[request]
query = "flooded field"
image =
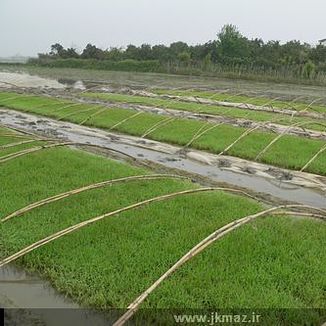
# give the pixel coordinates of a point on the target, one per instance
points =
(25, 80)
(148, 80)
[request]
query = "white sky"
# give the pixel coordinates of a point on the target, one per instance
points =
(31, 26)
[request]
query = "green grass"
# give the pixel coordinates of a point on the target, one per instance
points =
(279, 104)
(272, 263)
(289, 152)
(208, 109)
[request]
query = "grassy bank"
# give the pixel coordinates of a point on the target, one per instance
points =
(288, 152)
(272, 263)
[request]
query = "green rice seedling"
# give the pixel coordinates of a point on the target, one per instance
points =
(109, 263)
(289, 152)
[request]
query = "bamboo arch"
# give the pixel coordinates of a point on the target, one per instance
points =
(77, 226)
(201, 246)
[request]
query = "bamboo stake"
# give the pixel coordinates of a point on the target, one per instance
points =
(126, 119)
(47, 104)
(168, 120)
(216, 235)
(73, 113)
(14, 98)
(181, 98)
(157, 126)
(75, 227)
(66, 107)
(205, 125)
(244, 134)
(35, 149)
(23, 132)
(313, 158)
(233, 96)
(252, 100)
(293, 102)
(93, 115)
(102, 184)
(13, 136)
(298, 124)
(196, 137)
(27, 133)
(310, 105)
(17, 144)
(271, 101)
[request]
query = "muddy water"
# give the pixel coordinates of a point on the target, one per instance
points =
(148, 80)
(250, 175)
(9, 79)
(39, 303)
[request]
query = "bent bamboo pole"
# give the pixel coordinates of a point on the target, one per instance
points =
(310, 105)
(14, 98)
(93, 115)
(252, 100)
(270, 102)
(227, 99)
(196, 137)
(244, 134)
(36, 149)
(66, 107)
(70, 114)
(23, 134)
(14, 136)
(296, 99)
(249, 131)
(102, 184)
(75, 227)
(18, 143)
(62, 102)
(203, 127)
(216, 235)
(313, 158)
(298, 124)
(157, 126)
(126, 119)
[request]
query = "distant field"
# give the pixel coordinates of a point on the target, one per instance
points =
(165, 81)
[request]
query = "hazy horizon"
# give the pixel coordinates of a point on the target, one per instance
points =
(31, 27)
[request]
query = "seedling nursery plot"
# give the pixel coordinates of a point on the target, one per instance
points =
(252, 143)
(110, 261)
(117, 234)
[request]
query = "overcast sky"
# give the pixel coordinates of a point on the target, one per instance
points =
(31, 26)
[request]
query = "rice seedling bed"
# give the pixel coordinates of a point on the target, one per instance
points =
(288, 152)
(271, 263)
(297, 105)
(231, 112)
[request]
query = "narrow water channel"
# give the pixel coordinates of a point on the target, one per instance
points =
(164, 154)
(31, 301)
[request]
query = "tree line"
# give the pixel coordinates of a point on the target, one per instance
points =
(230, 50)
